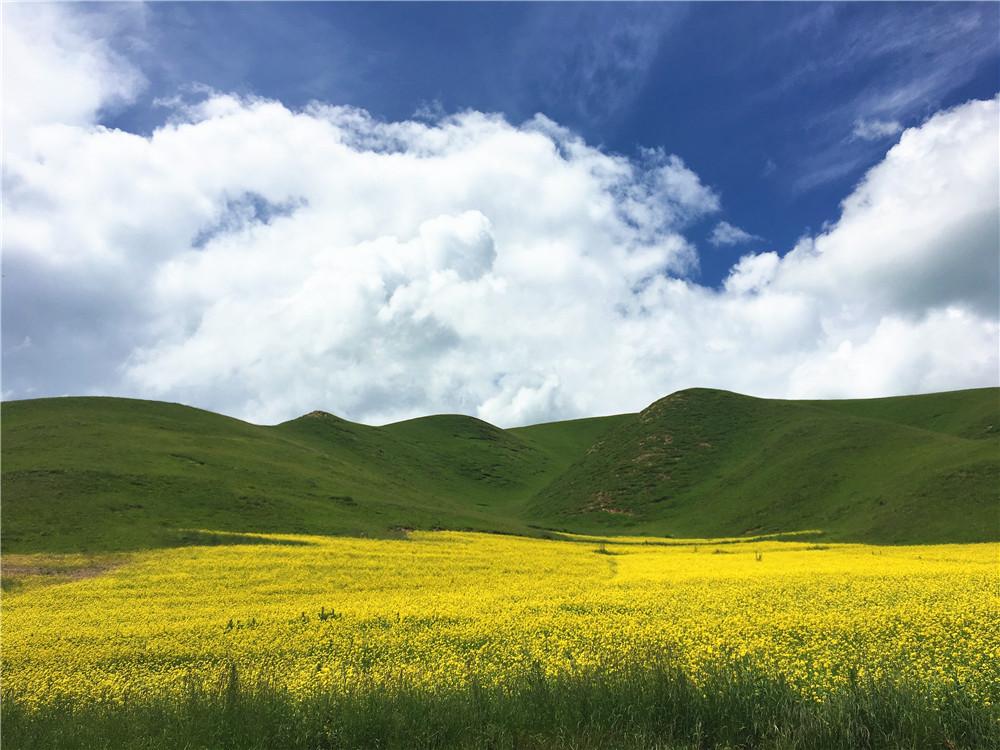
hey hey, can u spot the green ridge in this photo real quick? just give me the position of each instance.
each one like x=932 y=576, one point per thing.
x=707 y=463
x=972 y=413
x=106 y=474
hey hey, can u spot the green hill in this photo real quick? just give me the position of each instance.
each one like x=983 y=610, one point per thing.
x=703 y=462
x=96 y=474
x=118 y=474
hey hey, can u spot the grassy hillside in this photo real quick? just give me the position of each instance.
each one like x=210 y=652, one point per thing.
x=117 y=474
x=705 y=462
x=971 y=414
x=100 y=474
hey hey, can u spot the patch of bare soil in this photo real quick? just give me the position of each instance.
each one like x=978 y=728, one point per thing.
x=21 y=571
x=602 y=502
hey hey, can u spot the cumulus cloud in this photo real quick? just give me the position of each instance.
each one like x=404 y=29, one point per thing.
x=59 y=68
x=263 y=262
x=920 y=231
x=874 y=130
x=725 y=233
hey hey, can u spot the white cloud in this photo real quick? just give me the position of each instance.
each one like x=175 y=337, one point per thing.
x=897 y=352
x=725 y=233
x=874 y=129
x=265 y=262
x=58 y=68
x=920 y=231
x=526 y=398
x=752 y=272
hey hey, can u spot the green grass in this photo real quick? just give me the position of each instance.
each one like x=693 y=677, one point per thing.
x=915 y=469
x=641 y=706
x=94 y=474
x=104 y=474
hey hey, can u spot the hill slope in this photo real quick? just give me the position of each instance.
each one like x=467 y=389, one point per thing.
x=703 y=462
x=118 y=474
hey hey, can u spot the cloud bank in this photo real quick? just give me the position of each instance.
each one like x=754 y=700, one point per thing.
x=263 y=262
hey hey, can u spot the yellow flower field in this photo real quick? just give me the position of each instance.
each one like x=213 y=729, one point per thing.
x=439 y=608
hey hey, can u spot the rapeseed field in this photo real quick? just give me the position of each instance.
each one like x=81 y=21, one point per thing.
x=440 y=611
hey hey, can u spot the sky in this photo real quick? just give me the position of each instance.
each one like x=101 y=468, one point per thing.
x=522 y=212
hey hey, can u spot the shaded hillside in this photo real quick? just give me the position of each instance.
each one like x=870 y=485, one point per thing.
x=703 y=462
x=118 y=474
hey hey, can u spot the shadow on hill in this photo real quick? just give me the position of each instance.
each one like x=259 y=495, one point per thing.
x=207 y=538
x=628 y=541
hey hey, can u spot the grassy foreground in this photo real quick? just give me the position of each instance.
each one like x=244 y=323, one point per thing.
x=445 y=639
x=649 y=705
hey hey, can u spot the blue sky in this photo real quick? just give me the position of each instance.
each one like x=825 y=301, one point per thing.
x=524 y=212
x=759 y=99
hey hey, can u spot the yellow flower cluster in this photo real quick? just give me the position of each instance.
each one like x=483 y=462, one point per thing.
x=439 y=608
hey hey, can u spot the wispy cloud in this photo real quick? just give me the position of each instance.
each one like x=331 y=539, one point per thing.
x=875 y=130
x=590 y=61
x=898 y=63
x=725 y=233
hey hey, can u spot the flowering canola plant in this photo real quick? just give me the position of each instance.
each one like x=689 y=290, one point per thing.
x=438 y=609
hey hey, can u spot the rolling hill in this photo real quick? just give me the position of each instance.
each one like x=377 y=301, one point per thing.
x=103 y=474
x=702 y=462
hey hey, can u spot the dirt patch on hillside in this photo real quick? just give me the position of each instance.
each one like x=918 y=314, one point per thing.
x=29 y=571
x=602 y=502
